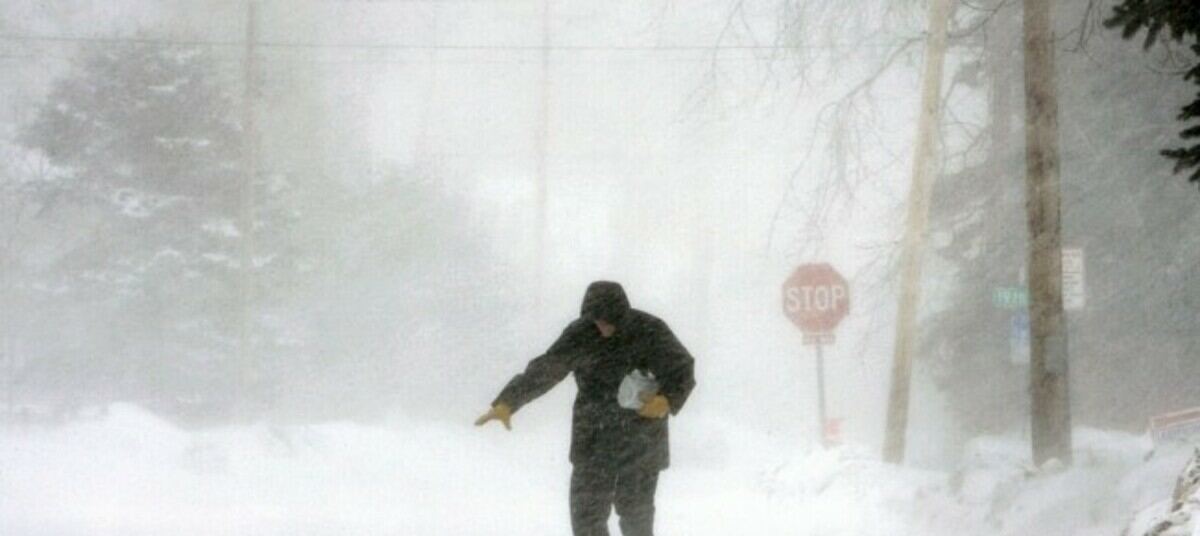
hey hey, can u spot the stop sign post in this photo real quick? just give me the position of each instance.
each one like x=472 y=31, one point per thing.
x=816 y=298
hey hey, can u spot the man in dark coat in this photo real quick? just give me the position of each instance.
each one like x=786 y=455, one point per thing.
x=616 y=452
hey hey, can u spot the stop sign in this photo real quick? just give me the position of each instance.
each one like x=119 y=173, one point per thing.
x=816 y=298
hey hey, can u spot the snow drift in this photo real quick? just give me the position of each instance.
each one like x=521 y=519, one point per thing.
x=130 y=472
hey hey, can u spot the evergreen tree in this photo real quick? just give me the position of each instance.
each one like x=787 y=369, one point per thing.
x=351 y=271
x=145 y=140
x=1181 y=21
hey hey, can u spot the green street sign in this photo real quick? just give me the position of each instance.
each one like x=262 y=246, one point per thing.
x=1010 y=298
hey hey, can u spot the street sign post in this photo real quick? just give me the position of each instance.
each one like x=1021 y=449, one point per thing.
x=1074 y=289
x=816 y=298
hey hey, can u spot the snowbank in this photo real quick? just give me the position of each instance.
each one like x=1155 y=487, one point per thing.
x=1178 y=514
x=131 y=473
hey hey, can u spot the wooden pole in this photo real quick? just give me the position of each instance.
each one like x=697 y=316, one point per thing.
x=542 y=157
x=1051 y=418
x=10 y=361
x=913 y=246
x=999 y=61
x=425 y=146
x=246 y=201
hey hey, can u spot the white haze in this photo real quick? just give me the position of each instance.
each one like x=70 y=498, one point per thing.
x=698 y=178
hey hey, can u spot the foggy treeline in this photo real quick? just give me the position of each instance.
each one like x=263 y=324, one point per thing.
x=219 y=240
x=138 y=267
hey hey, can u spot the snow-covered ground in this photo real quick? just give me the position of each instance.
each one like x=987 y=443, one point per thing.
x=130 y=473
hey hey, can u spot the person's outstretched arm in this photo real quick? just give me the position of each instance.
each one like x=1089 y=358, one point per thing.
x=673 y=367
x=542 y=374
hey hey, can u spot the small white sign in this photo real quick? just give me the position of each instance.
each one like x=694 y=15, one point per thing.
x=1073 y=287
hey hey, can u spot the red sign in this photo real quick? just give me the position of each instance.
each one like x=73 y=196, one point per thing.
x=816 y=298
x=833 y=432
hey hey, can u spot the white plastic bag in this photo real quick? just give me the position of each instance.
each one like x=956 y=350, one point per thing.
x=636 y=385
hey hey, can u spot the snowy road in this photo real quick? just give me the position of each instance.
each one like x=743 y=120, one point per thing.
x=130 y=473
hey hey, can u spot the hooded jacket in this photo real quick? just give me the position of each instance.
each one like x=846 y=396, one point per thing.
x=602 y=432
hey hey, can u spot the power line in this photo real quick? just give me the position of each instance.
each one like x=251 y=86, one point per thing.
x=433 y=47
x=415 y=1
x=426 y=61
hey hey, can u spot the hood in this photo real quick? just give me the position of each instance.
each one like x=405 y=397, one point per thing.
x=605 y=300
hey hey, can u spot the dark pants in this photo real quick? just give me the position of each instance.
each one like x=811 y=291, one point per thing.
x=595 y=489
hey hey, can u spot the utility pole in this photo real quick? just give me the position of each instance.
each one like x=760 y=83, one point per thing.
x=542 y=157
x=998 y=56
x=913 y=246
x=425 y=146
x=7 y=263
x=246 y=194
x=10 y=361
x=1051 y=417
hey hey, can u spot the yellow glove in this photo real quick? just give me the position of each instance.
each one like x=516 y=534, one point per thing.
x=500 y=412
x=654 y=407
